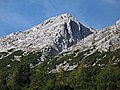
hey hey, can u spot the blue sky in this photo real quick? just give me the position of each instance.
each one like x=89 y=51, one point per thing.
x=19 y=15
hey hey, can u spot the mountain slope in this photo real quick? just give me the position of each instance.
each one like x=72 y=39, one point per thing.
x=61 y=54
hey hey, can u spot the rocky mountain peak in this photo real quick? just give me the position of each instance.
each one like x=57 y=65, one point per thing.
x=51 y=37
x=66 y=15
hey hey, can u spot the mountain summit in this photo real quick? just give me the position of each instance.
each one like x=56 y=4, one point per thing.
x=51 y=36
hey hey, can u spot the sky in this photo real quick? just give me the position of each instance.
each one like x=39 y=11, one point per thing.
x=19 y=15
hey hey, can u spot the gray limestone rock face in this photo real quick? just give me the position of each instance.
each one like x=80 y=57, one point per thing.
x=103 y=40
x=51 y=37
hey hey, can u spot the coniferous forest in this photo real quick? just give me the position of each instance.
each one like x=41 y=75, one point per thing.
x=19 y=76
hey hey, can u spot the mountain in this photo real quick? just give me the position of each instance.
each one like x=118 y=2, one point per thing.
x=61 y=54
x=53 y=36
